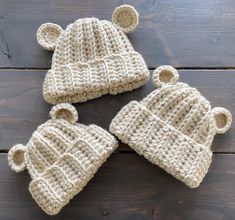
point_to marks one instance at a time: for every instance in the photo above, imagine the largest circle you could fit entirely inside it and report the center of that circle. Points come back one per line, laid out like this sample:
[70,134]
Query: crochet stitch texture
[92,57]
[61,157]
[173,127]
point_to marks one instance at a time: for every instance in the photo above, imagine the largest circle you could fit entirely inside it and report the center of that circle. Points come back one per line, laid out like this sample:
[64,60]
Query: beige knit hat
[173,127]
[92,57]
[61,157]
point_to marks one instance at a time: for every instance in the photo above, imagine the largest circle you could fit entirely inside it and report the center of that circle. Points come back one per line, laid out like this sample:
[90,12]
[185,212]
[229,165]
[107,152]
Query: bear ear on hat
[222,118]
[48,34]
[164,75]
[16,158]
[64,111]
[126,18]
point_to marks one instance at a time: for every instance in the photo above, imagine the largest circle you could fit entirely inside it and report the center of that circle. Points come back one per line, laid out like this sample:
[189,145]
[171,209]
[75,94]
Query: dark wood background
[195,36]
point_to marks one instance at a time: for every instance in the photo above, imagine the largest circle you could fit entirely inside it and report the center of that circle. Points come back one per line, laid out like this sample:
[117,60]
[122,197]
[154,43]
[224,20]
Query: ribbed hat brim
[80,82]
[162,144]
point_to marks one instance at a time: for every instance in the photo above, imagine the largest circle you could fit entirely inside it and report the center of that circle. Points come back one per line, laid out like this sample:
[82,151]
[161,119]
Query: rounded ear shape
[16,158]
[48,34]
[126,18]
[222,118]
[164,75]
[64,111]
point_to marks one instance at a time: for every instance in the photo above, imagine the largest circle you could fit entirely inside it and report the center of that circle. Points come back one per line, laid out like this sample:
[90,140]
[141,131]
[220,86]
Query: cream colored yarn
[126,18]
[61,157]
[173,127]
[92,57]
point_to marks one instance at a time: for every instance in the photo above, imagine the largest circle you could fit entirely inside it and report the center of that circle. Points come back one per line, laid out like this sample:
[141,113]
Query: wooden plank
[22,107]
[181,33]
[129,187]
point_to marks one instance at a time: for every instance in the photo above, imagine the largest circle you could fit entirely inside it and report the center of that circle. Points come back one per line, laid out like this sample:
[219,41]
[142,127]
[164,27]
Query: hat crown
[88,39]
[184,108]
[48,142]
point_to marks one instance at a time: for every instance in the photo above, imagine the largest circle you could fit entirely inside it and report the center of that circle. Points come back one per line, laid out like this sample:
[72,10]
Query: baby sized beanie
[61,157]
[173,127]
[92,57]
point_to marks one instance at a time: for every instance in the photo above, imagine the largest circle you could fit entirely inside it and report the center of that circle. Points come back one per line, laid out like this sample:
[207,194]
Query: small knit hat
[173,127]
[92,57]
[61,157]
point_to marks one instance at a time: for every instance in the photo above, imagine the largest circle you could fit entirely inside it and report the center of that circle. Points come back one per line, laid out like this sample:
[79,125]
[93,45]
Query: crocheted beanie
[61,157]
[92,57]
[173,127]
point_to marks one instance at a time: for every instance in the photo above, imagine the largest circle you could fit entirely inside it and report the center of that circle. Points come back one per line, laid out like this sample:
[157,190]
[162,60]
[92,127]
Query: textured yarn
[92,57]
[61,157]
[173,127]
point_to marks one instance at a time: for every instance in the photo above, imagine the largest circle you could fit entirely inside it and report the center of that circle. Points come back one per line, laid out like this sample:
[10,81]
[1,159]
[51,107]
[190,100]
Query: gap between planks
[150,68]
[133,152]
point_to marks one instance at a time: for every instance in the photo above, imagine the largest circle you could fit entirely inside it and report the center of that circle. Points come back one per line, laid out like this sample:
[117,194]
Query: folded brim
[60,182]
[80,82]
[162,144]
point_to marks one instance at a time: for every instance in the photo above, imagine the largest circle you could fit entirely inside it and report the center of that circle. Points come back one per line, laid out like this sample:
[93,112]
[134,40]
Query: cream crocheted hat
[173,127]
[61,157]
[92,57]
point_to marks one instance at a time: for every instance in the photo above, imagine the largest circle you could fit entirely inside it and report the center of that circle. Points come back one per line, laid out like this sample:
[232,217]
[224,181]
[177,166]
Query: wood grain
[186,34]
[181,33]
[22,107]
[129,187]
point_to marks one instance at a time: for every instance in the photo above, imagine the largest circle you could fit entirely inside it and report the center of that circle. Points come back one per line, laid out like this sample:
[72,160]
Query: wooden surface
[197,37]
[129,187]
[22,107]
[197,33]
